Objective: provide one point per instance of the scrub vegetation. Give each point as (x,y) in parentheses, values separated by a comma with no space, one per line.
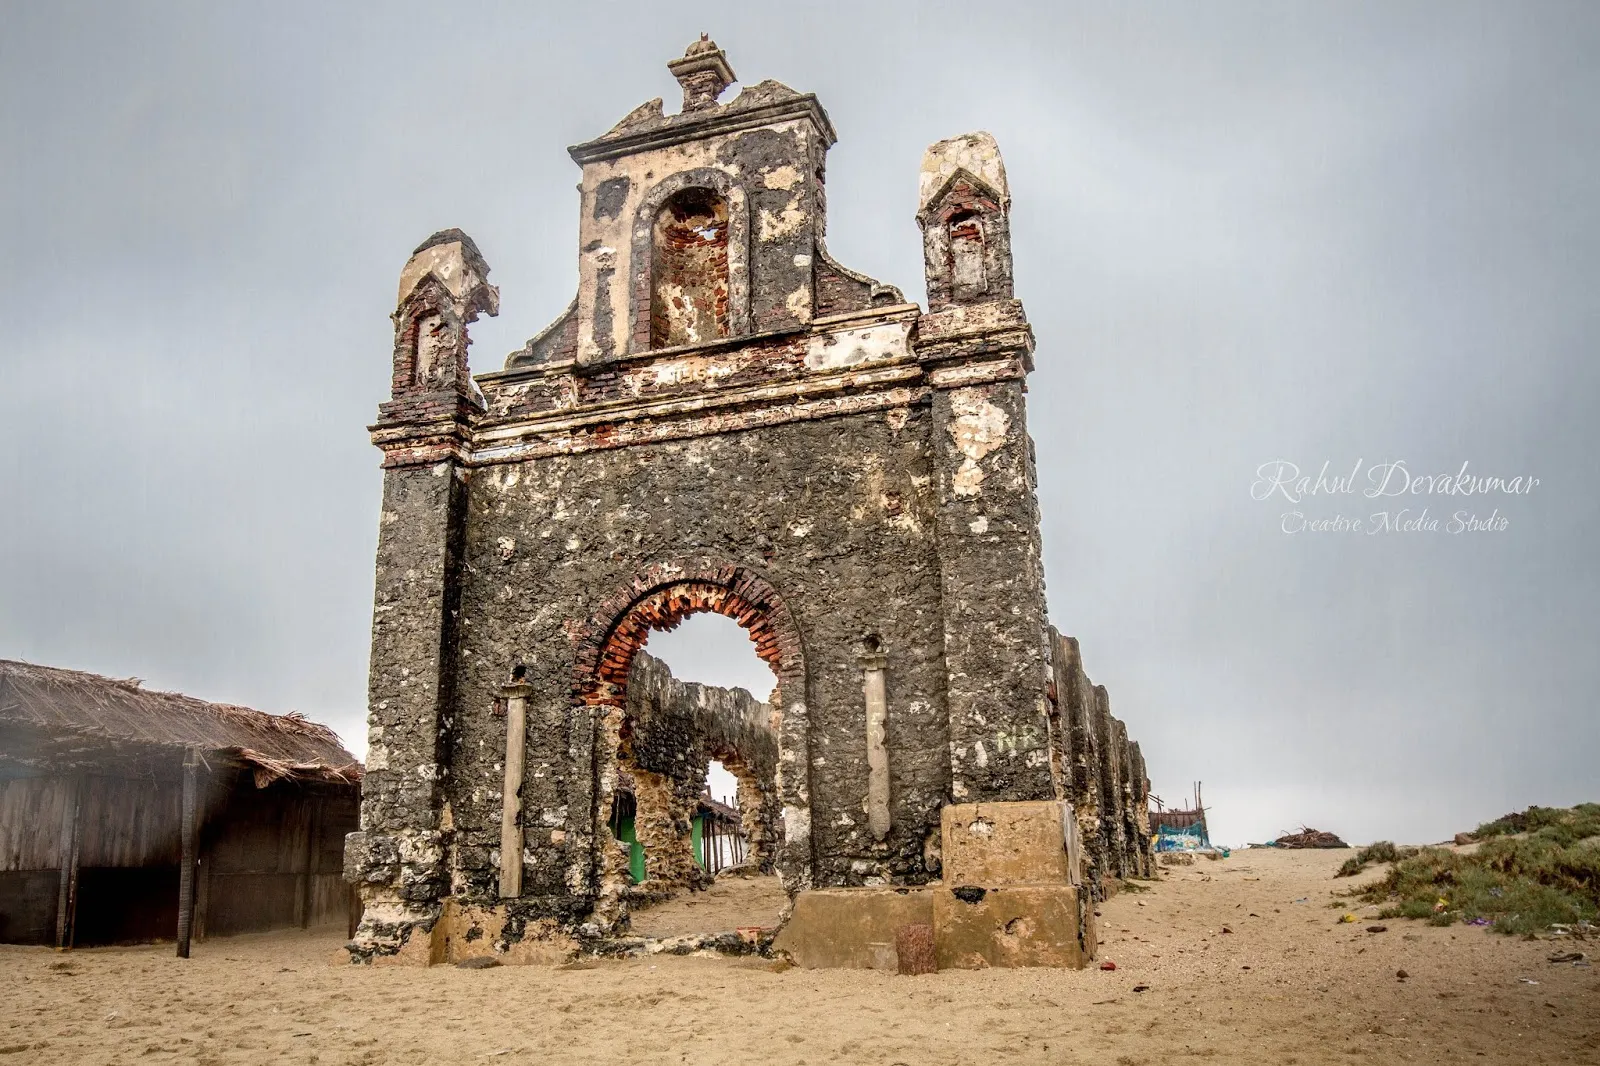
(1530,871)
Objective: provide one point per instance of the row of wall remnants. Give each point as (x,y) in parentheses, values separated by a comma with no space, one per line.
(1101,773)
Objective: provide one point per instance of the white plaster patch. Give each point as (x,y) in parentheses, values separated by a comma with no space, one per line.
(799,303)
(851,347)
(802,528)
(968,479)
(979,524)
(979,427)
(785,177)
(796,825)
(691,369)
(775,227)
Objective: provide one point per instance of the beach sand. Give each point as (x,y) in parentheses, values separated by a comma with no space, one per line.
(1287,985)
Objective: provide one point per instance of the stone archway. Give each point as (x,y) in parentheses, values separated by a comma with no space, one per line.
(660,597)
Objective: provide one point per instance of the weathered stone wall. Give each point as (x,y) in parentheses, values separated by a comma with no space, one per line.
(845,533)
(849,478)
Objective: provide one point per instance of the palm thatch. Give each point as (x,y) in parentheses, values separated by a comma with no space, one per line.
(72,709)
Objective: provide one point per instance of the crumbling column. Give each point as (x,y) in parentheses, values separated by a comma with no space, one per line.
(1129,824)
(398,857)
(977,346)
(1110,787)
(1075,697)
(1141,811)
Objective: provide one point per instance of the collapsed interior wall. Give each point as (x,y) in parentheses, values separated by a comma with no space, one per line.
(672,731)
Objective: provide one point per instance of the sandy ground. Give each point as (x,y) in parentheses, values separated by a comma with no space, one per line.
(730,903)
(1287,985)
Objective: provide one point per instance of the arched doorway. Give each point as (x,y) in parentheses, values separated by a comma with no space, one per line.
(660,599)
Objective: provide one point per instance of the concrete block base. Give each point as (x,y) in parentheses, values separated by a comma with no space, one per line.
(1010,926)
(1007,843)
(852,928)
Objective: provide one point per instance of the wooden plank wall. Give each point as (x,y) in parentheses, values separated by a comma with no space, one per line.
(259,866)
(264,867)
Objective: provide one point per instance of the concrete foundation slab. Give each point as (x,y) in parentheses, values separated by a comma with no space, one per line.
(852,927)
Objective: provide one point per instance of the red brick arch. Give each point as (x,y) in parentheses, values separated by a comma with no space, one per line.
(664,594)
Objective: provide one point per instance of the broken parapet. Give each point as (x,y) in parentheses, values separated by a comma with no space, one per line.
(1100,772)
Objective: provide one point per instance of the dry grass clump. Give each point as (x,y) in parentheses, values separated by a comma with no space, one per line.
(1382,851)
(1568,825)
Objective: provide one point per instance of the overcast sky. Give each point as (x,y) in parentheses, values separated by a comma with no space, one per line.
(1244,233)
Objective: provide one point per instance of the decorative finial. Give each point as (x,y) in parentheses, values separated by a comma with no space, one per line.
(703,71)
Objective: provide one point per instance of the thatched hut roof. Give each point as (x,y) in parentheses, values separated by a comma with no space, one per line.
(74,713)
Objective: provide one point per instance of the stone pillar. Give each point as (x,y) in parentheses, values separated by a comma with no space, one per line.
(977,347)
(1075,695)
(1141,811)
(877,749)
(1127,794)
(516,697)
(398,857)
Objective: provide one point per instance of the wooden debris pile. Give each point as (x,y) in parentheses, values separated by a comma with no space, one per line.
(1309,838)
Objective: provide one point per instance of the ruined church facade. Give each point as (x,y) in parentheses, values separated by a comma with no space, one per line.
(724,419)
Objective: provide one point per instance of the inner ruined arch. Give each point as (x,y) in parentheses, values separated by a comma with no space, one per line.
(659,600)
(710,654)
(674,727)
(690,290)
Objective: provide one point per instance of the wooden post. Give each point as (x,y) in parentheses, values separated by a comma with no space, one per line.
(202,896)
(308,892)
(511,794)
(191,769)
(67,894)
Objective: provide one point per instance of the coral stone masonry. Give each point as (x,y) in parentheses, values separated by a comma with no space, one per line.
(726,419)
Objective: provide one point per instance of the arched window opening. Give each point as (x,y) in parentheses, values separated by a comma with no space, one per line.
(689,269)
(968,278)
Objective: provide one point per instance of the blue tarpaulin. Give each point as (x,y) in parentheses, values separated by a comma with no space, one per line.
(1191,838)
